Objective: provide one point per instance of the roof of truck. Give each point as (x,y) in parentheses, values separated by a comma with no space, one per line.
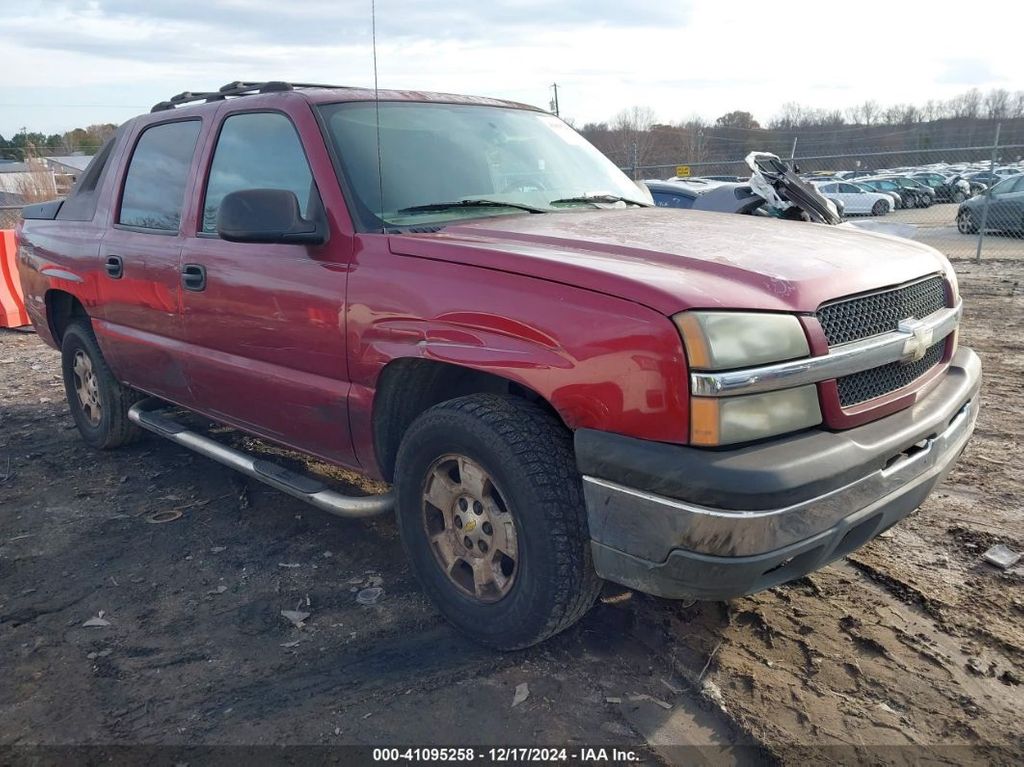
(325,94)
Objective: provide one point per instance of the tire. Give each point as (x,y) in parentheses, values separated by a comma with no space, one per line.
(965,223)
(517,459)
(959,196)
(880,208)
(926,200)
(98,402)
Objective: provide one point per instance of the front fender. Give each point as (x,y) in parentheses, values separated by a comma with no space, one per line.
(602,362)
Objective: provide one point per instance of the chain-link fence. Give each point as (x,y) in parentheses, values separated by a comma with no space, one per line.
(966,201)
(9,216)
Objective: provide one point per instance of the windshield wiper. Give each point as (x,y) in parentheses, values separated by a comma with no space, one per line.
(439,206)
(596,199)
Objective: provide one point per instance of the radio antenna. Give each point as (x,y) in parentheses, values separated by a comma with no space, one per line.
(376,106)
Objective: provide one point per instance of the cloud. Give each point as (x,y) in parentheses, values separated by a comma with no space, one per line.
(95,25)
(973,72)
(87,61)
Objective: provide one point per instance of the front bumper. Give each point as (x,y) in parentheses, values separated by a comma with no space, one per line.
(682,522)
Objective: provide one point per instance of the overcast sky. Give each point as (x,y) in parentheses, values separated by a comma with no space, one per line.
(71,63)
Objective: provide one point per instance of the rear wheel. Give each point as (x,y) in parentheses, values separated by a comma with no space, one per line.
(491,514)
(98,402)
(959,196)
(880,208)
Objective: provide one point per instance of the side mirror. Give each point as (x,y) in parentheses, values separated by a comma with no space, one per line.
(268,216)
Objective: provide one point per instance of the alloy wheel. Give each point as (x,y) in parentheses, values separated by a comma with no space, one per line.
(87,387)
(470,528)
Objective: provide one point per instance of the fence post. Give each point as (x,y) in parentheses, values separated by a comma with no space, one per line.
(988,196)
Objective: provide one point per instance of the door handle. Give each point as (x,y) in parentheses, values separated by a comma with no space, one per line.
(193,277)
(114,267)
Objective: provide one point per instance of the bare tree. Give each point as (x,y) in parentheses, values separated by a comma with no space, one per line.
(633,137)
(1017,109)
(869,111)
(692,134)
(901,114)
(997,104)
(966,106)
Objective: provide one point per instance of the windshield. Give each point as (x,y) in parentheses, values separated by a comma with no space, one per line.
(435,154)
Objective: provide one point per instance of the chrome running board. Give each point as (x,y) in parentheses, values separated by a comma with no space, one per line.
(300,486)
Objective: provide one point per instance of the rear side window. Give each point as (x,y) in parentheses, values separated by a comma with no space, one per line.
(257,150)
(154,187)
(81,203)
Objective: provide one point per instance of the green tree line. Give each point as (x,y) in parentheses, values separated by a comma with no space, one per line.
(26,144)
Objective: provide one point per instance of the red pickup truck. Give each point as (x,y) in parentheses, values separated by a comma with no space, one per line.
(462,297)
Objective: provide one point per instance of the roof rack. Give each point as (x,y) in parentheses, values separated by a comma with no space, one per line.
(237,88)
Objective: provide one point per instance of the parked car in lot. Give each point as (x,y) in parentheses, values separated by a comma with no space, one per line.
(894,196)
(461,297)
(856,199)
(886,186)
(1005,203)
(914,193)
(947,188)
(723,197)
(719,197)
(974,187)
(988,178)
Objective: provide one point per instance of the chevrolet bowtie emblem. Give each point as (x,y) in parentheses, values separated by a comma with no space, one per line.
(919,342)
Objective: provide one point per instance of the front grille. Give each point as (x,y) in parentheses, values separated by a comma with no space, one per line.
(868,384)
(852,319)
(855,318)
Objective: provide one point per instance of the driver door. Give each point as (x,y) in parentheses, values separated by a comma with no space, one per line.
(1006,210)
(265,322)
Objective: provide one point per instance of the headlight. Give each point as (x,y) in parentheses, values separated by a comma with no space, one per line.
(724,340)
(729,340)
(728,420)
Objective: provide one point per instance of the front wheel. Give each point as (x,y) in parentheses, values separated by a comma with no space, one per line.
(491,514)
(98,402)
(965,223)
(880,208)
(959,196)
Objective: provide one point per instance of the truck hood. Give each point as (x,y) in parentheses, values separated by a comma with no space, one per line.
(671,260)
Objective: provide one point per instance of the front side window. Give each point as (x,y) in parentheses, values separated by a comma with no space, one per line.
(1004,186)
(154,187)
(256,150)
(433,154)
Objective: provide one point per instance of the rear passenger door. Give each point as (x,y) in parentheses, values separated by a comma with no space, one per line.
(139,311)
(265,322)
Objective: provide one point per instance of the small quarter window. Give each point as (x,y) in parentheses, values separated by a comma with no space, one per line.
(81,202)
(154,187)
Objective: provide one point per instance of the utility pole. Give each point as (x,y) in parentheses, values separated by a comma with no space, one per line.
(792,152)
(554,101)
(988,195)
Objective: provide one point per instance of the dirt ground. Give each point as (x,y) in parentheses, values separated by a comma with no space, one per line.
(912,641)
